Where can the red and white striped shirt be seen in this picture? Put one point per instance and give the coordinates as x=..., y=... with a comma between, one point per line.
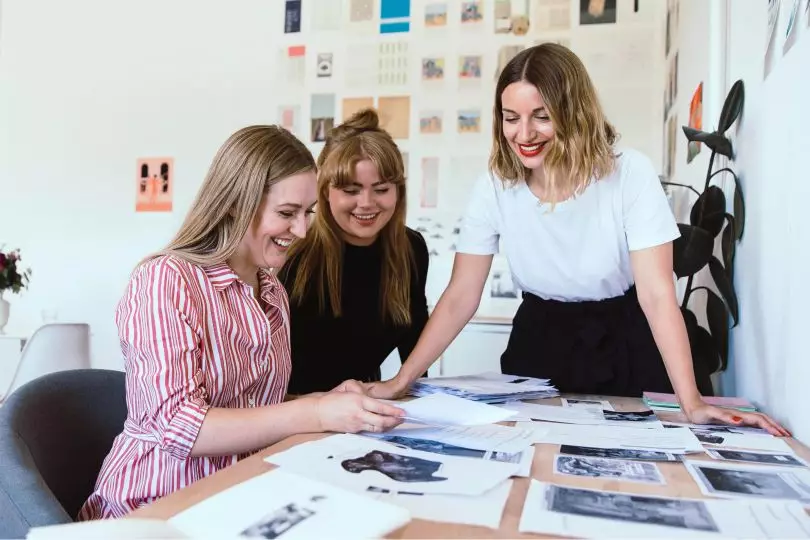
x=193, y=337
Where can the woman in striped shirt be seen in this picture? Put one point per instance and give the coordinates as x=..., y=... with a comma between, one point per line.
x=204, y=328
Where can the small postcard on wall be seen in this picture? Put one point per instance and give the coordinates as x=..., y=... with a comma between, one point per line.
x=322, y=112
x=154, y=184
x=430, y=122
x=436, y=14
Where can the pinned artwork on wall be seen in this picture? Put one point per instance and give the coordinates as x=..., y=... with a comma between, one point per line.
x=436, y=14
x=353, y=105
x=430, y=122
x=360, y=10
x=597, y=12
x=469, y=67
x=324, y=65
x=505, y=54
x=292, y=16
x=289, y=117
x=395, y=16
x=392, y=62
x=295, y=66
x=326, y=15
x=472, y=13
x=395, y=115
x=154, y=184
x=551, y=16
x=695, y=121
x=503, y=16
x=430, y=182
x=322, y=113
x=469, y=121
x=433, y=69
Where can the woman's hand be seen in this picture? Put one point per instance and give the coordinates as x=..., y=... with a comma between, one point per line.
x=350, y=385
x=350, y=412
x=391, y=389
x=709, y=414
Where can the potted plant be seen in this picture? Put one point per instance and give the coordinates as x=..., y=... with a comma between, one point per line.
x=710, y=222
x=12, y=278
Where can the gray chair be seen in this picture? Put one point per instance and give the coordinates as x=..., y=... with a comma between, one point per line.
x=55, y=432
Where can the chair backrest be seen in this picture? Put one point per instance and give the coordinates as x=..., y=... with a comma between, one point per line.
x=55, y=432
x=53, y=347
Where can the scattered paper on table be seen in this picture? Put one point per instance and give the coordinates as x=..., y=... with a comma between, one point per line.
x=646, y=472
x=717, y=438
x=483, y=510
x=280, y=503
x=762, y=458
x=587, y=403
x=104, y=529
x=358, y=463
x=673, y=441
x=618, y=453
x=447, y=410
x=584, y=415
x=585, y=513
x=723, y=479
x=489, y=387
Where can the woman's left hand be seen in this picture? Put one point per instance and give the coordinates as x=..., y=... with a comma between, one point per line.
x=709, y=414
x=351, y=385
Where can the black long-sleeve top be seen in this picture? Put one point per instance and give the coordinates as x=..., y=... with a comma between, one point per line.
x=327, y=350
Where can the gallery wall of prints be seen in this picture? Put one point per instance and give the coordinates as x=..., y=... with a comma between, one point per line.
x=430, y=69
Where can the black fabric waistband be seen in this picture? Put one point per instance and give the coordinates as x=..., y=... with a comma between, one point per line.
x=616, y=303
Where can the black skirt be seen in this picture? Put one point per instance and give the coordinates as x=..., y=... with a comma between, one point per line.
x=601, y=347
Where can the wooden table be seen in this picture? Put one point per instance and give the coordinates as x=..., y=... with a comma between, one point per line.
x=679, y=483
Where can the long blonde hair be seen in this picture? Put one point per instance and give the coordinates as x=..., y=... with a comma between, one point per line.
x=319, y=256
x=244, y=169
x=582, y=146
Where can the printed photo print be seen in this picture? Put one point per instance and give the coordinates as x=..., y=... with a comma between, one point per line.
x=281, y=521
x=752, y=483
x=437, y=447
x=594, y=467
x=766, y=458
x=628, y=416
x=395, y=466
x=618, y=453
x=681, y=513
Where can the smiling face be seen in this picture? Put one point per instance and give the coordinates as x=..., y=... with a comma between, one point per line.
x=527, y=125
x=283, y=215
x=363, y=207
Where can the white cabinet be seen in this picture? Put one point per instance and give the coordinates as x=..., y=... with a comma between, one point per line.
x=477, y=348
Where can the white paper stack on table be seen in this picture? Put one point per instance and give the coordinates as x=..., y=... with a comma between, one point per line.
x=449, y=410
x=588, y=416
x=487, y=387
x=270, y=505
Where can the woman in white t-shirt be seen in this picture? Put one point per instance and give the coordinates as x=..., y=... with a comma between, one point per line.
x=587, y=232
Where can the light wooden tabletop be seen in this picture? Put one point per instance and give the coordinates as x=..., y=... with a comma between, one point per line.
x=678, y=484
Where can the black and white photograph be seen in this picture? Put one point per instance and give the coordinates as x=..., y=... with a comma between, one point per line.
x=396, y=467
x=617, y=453
x=436, y=447
x=587, y=403
x=595, y=467
x=681, y=513
x=726, y=480
x=630, y=416
x=707, y=437
x=767, y=458
x=278, y=522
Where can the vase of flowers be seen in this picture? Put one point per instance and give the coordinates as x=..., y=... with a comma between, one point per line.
x=12, y=278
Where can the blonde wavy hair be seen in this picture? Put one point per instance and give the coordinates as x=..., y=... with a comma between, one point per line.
x=243, y=171
x=319, y=256
x=582, y=147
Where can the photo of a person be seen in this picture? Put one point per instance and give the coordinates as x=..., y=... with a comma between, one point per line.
x=397, y=467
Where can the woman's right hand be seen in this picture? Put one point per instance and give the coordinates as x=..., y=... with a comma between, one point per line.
x=391, y=389
x=350, y=412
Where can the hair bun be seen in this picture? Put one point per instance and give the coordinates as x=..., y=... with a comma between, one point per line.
x=362, y=120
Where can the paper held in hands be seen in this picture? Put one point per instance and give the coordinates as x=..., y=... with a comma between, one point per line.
x=447, y=410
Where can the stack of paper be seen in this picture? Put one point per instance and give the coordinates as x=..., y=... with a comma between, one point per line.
x=450, y=410
x=486, y=387
x=588, y=416
x=668, y=402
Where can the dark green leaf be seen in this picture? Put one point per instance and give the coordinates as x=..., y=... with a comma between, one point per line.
x=716, y=142
x=739, y=208
x=732, y=107
x=704, y=353
x=692, y=250
x=717, y=317
x=709, y=211
x=725, y=286
x=727, y=243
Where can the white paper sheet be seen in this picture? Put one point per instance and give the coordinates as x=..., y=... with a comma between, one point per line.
x=760, y=458
x=105, y=529
x=587, y=403
x=645, y=472
x=486, y=437
x=279, y=503
x=750, y=441
x=737, y=480
x=674, y=440
x=483, y=510
x=574, y=415
x=357, y=462
x=582, y=513
x=447, y=410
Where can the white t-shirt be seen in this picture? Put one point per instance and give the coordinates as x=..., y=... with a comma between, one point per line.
x=581, y=249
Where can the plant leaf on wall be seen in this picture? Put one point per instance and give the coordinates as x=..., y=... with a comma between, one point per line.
x=732, y=107
x=717, y=317
x=724, y=286
x=709, y=211
x=692, y=250
x=739, y=208
x=727, y=245
x=701, y=344
x=715, y=141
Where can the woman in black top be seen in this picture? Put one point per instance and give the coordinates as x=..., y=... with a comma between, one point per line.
x=356, y=282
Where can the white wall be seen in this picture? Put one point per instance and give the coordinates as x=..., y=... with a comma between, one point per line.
x=722, y=41
x=88, y=86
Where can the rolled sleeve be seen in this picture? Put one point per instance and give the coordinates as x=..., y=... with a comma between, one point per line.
x=157, y=327
x=479, y=234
